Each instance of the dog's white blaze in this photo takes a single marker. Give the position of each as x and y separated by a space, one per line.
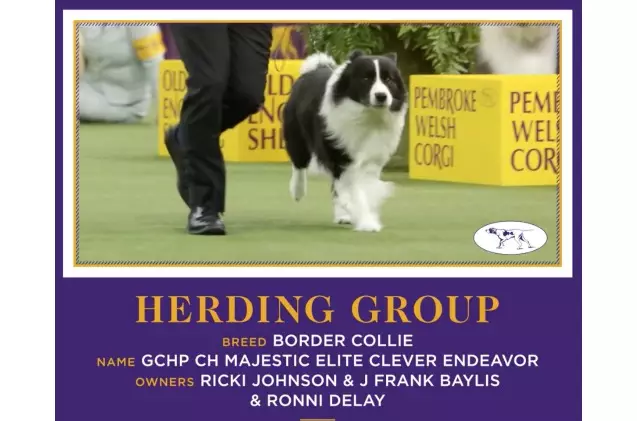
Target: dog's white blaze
379 87
503 49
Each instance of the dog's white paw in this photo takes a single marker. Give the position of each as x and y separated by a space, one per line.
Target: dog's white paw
368 225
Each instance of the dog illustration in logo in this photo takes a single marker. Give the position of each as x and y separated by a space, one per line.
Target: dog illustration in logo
506 234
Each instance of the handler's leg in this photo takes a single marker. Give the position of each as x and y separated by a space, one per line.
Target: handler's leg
249 56
249 52
204 49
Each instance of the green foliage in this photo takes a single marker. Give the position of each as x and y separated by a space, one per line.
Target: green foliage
339 40
443 49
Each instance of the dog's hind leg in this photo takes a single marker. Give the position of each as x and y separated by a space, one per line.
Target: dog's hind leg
298 183
341 212
300 156
523 238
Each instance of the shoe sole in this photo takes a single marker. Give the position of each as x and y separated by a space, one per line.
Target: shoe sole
206 231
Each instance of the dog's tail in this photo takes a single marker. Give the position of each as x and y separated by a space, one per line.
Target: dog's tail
317 60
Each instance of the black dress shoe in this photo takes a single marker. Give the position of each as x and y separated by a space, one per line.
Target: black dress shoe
202 222
177 156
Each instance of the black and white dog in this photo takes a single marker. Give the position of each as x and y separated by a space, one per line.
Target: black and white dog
518 49
504 235
347 120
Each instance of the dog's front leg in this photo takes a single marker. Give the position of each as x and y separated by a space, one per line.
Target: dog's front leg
376 190
351 189
365 219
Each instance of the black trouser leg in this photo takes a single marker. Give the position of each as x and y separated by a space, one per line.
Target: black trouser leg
249 56
227 66
204 49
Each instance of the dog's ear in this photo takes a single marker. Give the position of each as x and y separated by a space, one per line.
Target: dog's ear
341 86
392 56
355 54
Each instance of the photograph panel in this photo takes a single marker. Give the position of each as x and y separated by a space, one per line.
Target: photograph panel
327 144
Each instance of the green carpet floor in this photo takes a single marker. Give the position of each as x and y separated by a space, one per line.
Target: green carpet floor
130 213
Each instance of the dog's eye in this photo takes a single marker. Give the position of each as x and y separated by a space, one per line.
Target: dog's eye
387 79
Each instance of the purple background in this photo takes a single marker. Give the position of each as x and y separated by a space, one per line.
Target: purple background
96 317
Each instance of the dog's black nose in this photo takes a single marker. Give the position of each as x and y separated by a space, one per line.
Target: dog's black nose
381 97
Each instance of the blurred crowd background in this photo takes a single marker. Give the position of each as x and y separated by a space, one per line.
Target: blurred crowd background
119 65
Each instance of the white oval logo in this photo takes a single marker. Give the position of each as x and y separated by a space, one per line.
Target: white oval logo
510 237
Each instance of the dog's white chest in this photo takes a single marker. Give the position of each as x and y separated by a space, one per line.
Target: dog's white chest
367 137
371 146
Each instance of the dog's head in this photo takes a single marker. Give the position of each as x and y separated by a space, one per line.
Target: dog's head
491 230
373 81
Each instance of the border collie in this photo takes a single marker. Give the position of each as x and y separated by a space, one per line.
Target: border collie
518 49
347 120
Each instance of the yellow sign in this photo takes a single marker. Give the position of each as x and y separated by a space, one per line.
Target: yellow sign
484 129
259 138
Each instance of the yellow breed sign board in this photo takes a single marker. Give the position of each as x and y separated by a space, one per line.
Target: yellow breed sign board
487 129
259 138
